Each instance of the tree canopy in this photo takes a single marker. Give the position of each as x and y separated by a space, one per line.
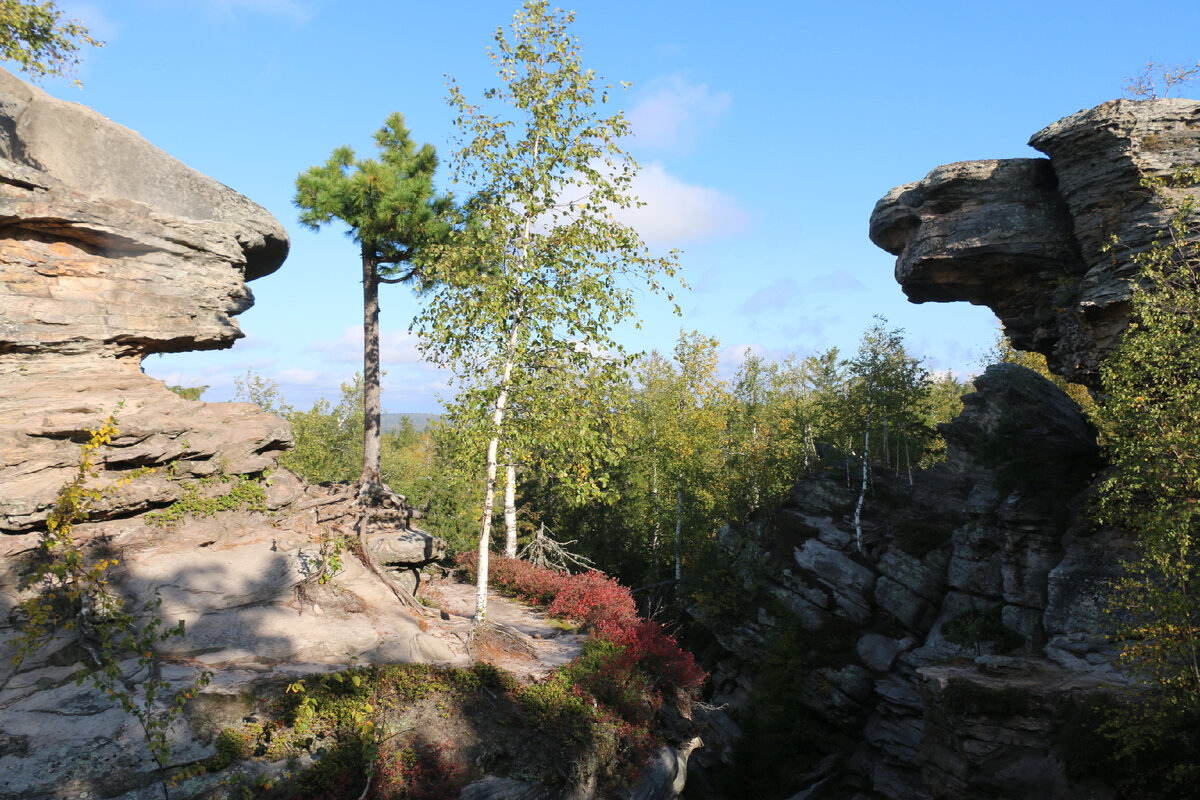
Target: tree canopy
391 210
35 36
544 271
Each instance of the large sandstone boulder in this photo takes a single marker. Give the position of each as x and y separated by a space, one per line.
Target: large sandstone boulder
1047 244
110 251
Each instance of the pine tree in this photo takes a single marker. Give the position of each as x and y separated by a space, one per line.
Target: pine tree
392 212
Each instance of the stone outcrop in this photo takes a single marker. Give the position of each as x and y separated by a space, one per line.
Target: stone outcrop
975 608
110 251
994 533
1048 244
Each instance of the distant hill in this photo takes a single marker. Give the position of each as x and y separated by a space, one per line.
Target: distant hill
391 422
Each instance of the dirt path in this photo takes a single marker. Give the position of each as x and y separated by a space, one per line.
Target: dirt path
552 646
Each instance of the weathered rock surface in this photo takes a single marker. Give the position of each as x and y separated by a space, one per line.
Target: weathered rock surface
995 528
1032 238
111 250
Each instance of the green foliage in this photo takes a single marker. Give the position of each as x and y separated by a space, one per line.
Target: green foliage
73 595
34 35
189 392
379 722
330 548
392 212
974 628
207 497
1003 352
776 720
1149 423
530 293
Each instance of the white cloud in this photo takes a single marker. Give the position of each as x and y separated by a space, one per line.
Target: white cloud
676 212
838 281
670 111
300 377
395 347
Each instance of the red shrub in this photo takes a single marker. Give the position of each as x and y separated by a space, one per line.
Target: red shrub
590 599
605 606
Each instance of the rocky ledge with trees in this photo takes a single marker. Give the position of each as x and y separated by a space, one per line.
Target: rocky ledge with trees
968 651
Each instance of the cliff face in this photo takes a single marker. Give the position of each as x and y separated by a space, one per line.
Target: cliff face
974 613
1045 243
110 250
982 576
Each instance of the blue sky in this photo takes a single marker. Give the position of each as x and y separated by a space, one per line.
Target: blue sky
765 132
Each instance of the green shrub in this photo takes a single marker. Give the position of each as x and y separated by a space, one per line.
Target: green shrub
974 628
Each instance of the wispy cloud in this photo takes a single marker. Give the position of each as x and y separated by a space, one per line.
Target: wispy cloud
395 347
676 213
837 281
775 296
670 111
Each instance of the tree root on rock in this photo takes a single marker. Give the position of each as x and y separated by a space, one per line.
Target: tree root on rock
490 638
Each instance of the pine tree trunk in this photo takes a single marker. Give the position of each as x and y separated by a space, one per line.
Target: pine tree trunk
371 367
510 506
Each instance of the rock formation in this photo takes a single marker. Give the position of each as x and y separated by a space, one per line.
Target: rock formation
973 620
991 541
1046 243
110 250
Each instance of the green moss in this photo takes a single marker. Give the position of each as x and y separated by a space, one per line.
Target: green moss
205 498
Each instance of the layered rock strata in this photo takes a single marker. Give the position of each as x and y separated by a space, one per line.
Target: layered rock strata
1048 244
110 251
989 542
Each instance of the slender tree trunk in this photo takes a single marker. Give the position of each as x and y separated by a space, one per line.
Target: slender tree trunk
371 367
908 461
862 495
754 488
678 531
887 456
654 537
489 492
510 506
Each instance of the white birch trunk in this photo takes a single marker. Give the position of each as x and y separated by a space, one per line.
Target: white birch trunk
678 532
510 506
862 495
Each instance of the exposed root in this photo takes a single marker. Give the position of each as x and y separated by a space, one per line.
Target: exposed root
489 639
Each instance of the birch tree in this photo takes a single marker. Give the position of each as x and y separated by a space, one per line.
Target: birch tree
887 390
544 270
